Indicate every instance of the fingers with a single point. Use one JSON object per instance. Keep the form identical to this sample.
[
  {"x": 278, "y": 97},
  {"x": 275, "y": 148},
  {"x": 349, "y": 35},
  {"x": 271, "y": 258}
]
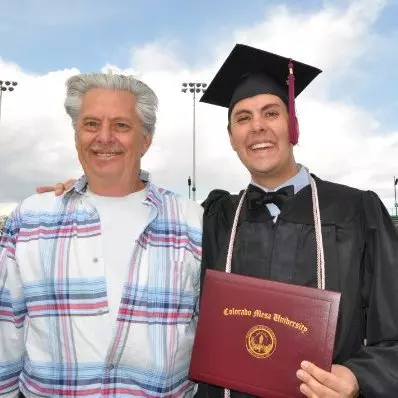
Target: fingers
[
  {"x": 58, "y": 188},
  {"x": 46, "y": 188},
  {"x": 310, "y": 386},
  {"x": 68, "y": 184},
  {"x": 306, "y": 391},
  {"x": 317, "y": 382},
  {"x": 324, "y": 378}
]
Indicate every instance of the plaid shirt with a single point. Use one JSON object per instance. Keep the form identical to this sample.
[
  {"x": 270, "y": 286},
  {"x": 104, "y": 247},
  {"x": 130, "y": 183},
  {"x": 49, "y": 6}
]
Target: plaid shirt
[{"x": 53, "y": 301}]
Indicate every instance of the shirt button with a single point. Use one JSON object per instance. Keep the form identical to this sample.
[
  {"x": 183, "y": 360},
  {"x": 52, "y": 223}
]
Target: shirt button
[
  {"x": 111, "y": 366},
  {"x": 95, "y": 260}
]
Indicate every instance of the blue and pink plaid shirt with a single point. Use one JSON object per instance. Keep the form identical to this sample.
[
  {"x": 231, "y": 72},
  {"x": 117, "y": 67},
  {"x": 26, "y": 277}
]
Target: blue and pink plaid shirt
[{"x": 53, "y": 301}]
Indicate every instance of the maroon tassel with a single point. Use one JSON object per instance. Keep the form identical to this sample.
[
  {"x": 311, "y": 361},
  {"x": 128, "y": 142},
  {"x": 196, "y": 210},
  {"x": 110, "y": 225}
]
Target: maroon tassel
[{"x": 293, "y": 122}]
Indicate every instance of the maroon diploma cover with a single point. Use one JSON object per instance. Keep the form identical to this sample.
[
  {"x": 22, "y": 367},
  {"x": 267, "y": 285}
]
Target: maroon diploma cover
[{"x": 253, "y": 333}]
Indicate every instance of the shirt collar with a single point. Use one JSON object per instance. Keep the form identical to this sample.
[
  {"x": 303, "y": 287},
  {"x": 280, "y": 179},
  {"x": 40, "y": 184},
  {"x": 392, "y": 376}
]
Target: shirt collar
[
  {"x": 299, "y": 181},
  {"x": 153, "y": 196}
]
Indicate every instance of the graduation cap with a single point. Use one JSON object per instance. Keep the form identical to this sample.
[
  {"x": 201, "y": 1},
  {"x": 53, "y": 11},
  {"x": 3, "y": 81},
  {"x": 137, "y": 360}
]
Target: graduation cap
[{"x": 249, "y": 71}]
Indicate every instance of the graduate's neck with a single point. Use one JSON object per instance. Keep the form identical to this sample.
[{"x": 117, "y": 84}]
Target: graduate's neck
[{"x": 272, "y": 179}]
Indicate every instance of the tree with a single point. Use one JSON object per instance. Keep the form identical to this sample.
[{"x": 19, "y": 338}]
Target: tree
[{"x": 3, "y": 219}]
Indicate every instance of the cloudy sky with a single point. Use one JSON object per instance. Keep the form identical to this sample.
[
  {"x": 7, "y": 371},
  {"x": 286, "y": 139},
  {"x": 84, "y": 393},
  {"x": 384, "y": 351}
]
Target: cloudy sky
[{"x": 348, "y": 117}]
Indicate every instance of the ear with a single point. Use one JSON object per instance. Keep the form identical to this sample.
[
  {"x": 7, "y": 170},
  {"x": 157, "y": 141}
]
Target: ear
[
  {"x": 76, "y": 140},
  {"x": 146, "y": 143},
  {"x": 231, "y": 138}
]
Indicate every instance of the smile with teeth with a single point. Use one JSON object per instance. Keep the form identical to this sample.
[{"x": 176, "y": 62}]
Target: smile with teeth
[
  {"x": 106, "y": 155},
  {"x": 262, "y": 145}
]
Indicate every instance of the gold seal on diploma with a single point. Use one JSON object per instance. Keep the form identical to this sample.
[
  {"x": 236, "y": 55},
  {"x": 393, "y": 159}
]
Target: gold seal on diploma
[{"x": 260, "y": 341}]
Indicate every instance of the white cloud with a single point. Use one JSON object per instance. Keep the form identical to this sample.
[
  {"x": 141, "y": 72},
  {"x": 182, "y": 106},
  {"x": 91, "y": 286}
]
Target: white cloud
[
  {"x": 7, "y": 208},
  {"x": 36, "y": 140},
  {"x": 155, "y": 57},
  {"x": 339, "y": 140}
]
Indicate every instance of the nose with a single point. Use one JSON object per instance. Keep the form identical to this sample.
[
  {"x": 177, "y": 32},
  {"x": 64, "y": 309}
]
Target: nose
[
  {"x": 105, "y": 134},
  {"x": 257, "y": 124}
]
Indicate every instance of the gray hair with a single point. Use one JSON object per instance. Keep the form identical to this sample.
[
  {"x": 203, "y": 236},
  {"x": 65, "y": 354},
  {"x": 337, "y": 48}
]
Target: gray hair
[{"x": 78, "y": 85}]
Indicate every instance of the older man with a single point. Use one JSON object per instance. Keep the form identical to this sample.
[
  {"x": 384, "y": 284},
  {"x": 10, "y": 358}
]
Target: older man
[{"x": 99, "y": 286}]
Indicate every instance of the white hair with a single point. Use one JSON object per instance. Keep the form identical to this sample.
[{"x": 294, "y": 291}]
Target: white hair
[{"x": 146, "y": 99}]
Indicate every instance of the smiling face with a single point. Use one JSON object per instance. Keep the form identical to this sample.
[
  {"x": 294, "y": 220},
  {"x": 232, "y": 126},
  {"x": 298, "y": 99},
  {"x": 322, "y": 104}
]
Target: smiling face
[
  {"x": 259, "y": 133},
  {"x": 110, "y": 141}
]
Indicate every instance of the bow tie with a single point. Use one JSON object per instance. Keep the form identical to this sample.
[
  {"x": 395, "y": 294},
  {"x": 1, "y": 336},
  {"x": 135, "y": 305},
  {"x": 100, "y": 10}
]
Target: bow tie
[{"x": 258, "y": 198}]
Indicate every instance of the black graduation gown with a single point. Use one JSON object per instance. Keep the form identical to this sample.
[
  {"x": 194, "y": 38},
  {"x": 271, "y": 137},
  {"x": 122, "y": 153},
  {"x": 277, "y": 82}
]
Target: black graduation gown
[{"x": 361, "y": 262}]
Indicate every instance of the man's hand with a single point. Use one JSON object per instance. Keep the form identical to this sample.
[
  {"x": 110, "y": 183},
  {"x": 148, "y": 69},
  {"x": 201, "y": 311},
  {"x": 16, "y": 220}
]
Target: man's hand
[
  {"x": 317, "y": 383},
  {"x": 59, "y": 188}
]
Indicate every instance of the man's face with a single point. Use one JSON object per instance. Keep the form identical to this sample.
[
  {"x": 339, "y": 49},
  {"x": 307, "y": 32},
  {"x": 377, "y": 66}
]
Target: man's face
[
  {"x": 109, "y": 138},
  {"x": 259, "y": 133}
]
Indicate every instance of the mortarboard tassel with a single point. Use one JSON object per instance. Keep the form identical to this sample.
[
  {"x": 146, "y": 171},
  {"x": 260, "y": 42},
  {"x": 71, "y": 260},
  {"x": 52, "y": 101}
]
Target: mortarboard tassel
[{"x": 293, "y": 122}]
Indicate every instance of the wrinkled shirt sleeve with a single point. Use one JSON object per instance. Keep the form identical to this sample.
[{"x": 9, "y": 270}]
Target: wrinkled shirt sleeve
[{"x": 12, "y": 310}]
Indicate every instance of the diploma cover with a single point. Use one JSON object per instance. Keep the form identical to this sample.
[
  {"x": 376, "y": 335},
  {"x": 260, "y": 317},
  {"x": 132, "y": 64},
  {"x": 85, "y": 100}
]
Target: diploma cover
[{"x": 253, "y": 333}]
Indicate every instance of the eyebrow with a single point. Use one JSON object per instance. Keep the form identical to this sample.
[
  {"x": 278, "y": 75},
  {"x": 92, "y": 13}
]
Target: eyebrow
[
  {"x": 90, "y": 117},
  {"x": 264, "y": 108},
  {"x": 123, "y": 118}
]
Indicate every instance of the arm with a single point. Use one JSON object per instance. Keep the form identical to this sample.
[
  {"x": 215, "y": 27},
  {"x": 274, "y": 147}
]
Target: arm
[
  {"x": 376, "y": 364},
  {"x": 218, "y": 215},
  {"x": 12, "y": 312},
  {"x": 374, "y": 367},
  {"x": 216, "y": 220}
]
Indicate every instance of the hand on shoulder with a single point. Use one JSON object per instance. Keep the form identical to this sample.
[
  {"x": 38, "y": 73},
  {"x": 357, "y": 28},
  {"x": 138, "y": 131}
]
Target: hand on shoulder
[{"x": 59, "y": 188}]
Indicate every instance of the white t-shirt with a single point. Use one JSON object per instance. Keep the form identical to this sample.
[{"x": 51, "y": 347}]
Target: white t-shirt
[{"x": 122, "y": 221}]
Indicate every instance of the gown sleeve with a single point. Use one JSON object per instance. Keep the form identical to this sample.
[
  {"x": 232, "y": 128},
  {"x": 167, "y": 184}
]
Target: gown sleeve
[
  {"x": 217, "y": 219},
  {"x": 217, "y": 211},
  {"x": 376, "y": 364}
]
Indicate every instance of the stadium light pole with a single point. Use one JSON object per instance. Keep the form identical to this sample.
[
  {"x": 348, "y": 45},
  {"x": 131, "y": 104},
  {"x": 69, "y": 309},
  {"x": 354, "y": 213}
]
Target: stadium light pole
[
  {"x": 6, "y": 85},
  {"x": 395, "y": 196},
  {"x": 193, "y": 88}
]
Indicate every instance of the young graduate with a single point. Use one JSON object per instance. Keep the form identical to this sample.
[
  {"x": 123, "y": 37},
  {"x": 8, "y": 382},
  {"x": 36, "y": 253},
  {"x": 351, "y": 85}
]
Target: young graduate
[{"x": 354, "y": 252}]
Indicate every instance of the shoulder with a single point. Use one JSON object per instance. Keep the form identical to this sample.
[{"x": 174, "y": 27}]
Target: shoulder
[
  {"x": 33, "y": 204},
  {"x": 175, "y": 206},
  {"x": 31, "y": 210},
  {"x": 38, "y": 207},
  {"x": 344, "y": 193},
  {"x": 352, "y": 200},
  {"x": 376, "y": 214},
  {"x": 338, "y": 191},
  {"x": 339, "y": 202},
  {"x": 41, "y": 209},
  {"x": 219, "y": 210},
  {"x": 40, "y": 202},
  {"x": 218, "y": 201}
]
